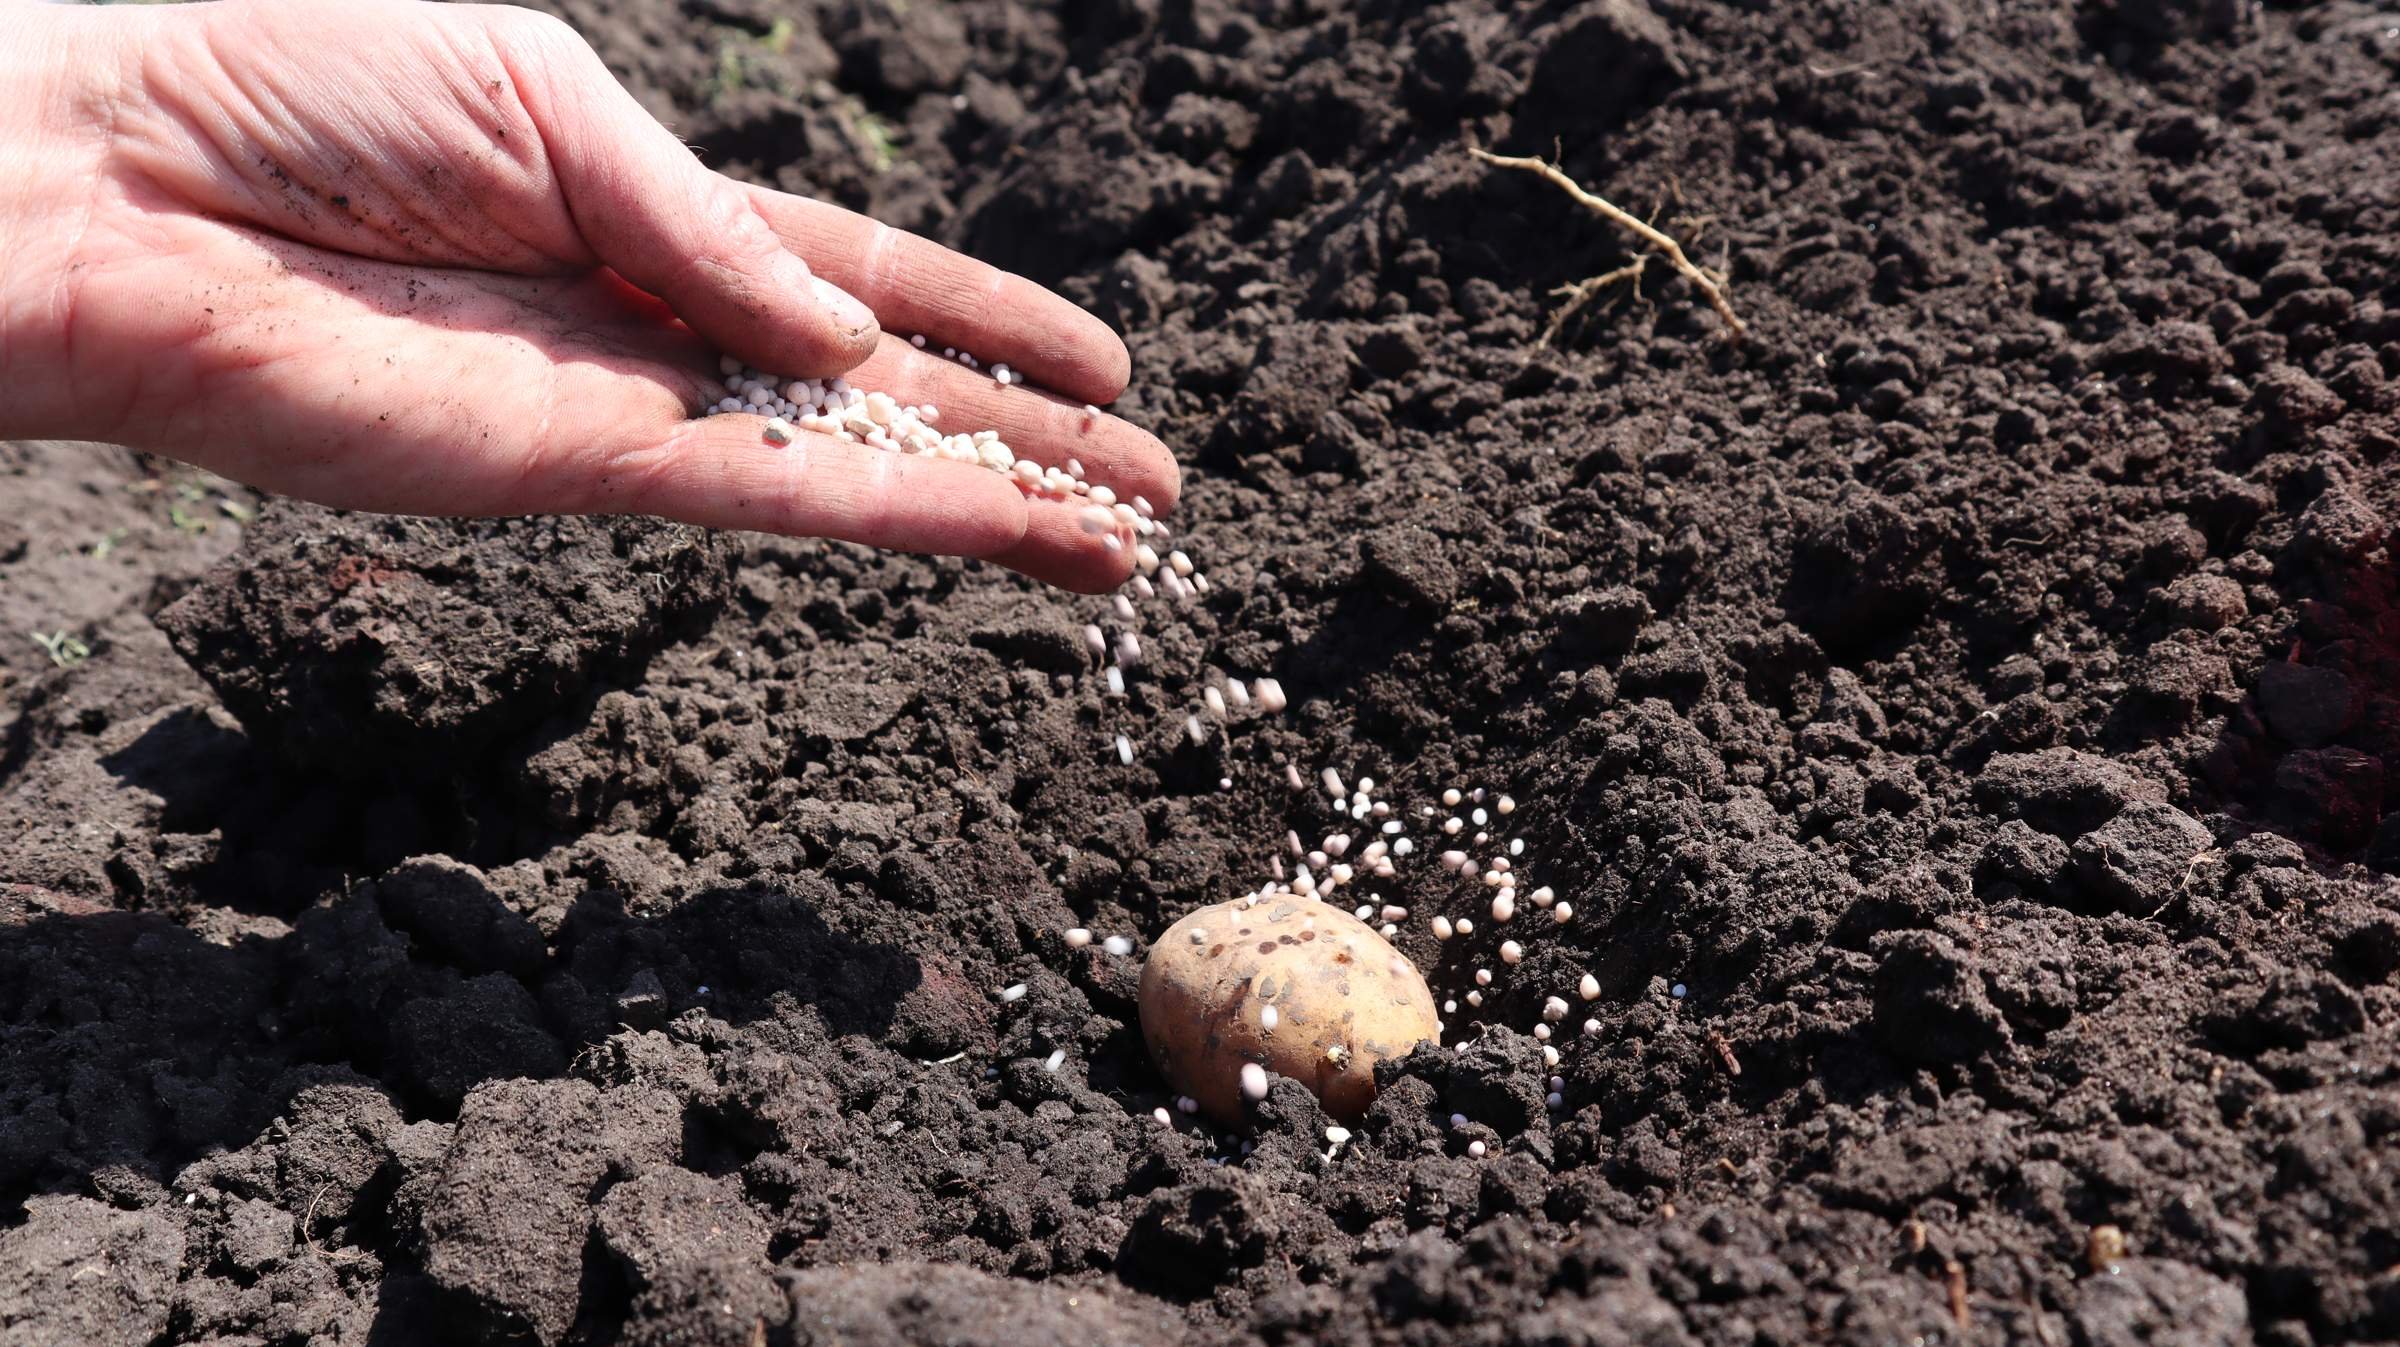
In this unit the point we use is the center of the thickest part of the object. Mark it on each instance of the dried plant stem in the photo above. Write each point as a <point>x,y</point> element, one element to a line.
<point>1711,285</point>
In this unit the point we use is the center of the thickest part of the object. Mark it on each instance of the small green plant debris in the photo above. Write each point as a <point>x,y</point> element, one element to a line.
<point>737,52</point>
<point>240,512</point>
<point>65,649</point>
<point>106,543</point>
<point>876,138</point>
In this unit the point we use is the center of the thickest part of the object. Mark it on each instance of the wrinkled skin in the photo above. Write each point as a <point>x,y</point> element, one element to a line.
<point>433,259</point>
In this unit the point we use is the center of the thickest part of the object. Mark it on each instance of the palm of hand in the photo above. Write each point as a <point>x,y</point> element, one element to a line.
<point>435,260</point>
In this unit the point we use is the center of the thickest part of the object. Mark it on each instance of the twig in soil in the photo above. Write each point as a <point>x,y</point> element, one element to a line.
<point>2183,886</point>
<point>1956,1272</point>
<point>1711,285</point>
<point>308,1239</point>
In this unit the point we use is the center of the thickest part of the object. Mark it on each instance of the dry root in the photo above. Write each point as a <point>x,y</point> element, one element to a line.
<point>1711,285</point>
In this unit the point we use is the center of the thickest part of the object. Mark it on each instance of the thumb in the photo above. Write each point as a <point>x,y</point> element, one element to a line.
<point>654,215</point>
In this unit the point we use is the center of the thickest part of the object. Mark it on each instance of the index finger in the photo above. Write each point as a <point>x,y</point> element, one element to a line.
<point>917,286</point>
<point>719,472</point>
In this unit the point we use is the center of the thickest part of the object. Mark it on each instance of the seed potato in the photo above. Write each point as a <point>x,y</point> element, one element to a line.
<point>1298,987</point>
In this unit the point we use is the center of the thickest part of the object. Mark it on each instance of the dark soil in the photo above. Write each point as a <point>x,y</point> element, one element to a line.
<point>1977,689</point>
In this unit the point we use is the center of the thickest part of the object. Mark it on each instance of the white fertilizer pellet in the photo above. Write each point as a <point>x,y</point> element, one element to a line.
<point>854,416</point>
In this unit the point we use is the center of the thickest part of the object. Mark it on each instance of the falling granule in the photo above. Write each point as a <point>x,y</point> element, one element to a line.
<point>1077,937</point>
<point>1013,992</point>
<point>1116,686</point>
<point>1270,695</point>
<point>1511,953</point>
<point>1124,750</point>
<point>1254,1081</point>
<point>1095,640</point>
<point>1554,1009</point>
<point>1676,991</point>
<point>1117,945</point>
<point>1166,1119</point>
<point>1589,988</point>
<point>1475,1149</point>
<point>1057,1056</point>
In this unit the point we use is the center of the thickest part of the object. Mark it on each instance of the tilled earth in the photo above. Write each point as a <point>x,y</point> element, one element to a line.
<point>1974,691</point>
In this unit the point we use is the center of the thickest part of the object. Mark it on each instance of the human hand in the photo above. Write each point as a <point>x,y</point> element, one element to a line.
<point>434,259</point>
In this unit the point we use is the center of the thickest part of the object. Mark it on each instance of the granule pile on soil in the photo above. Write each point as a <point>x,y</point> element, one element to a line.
<point>1960,715</point>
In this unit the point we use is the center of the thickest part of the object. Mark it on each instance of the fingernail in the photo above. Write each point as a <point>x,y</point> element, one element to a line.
<point>853,316</point>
